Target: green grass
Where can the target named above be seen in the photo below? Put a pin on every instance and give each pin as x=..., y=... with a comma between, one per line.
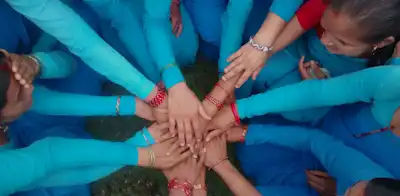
x=147, y=182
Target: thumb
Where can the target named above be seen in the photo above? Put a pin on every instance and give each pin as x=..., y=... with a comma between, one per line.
x=203, y=113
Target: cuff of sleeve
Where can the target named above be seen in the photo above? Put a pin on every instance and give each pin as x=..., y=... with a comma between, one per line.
x=285, y=9
x=240, y=109
x=148, y=135
x=172, y=76
x=394, y=61
x=139, y=140
x=127, y=105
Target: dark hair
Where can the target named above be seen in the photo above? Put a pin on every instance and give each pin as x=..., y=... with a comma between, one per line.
x=4, y=81
x=383, y=187
x=379, y=19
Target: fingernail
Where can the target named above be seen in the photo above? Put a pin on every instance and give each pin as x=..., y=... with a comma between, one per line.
x=207, y=139
x=223, y=78
x=204, y=149
x=198, y=140
x=182, y=144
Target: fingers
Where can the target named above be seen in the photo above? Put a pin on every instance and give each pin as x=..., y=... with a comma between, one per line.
x=173, y=148
x=183, y=156
x=243, y=78
x=237, y=68
x=303, y=70
x=214, y=133
x=231, y=58
x=256, y=73
x=315, y=181
x=197, y=133
x=202, y=158
x=164, y=137
x=320, y=174
x=179, y=31
x=172, y=126
x=188, y=132
x=319, y=188
x=181, y=132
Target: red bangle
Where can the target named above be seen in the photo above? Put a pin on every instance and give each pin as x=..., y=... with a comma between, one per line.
x=214, y=101
x=235, y=114
x=186, y=186
x=220, y=86
x=159, y=98
x=117, y=105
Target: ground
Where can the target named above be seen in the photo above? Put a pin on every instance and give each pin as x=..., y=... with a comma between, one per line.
x=147, y=182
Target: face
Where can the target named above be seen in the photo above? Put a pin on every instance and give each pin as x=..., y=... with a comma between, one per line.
x=357, y=189
x=19, y=100
x=342, y=36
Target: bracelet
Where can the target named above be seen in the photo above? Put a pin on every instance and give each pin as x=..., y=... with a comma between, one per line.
x=220, y=86
x=235, y=113
x=186, y=186
x=152, y=156
x=217, y=163
x=214, y=101
x=37, y=62
x=117, y=105
x=259, y=47
x=244, y=133
x=145, y=138
x=168, y=66
x=200, y=187
x=159, y=98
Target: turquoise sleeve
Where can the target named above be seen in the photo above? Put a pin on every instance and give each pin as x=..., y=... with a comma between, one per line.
x=337, y=158
x=363, y=86
x=157, y=27
x=393, y=61
x=44, y=43
x=63, y=23
x=233, y=23
x=286, y=9
x=50, y=102
x=22, y=167
x=55, y=64
x=283, y=191
x=88, y=174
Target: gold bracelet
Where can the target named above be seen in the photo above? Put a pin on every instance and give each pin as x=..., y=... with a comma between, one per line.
x=219, y=162
x=152, y=157
x=37, y=62
x=168, y=66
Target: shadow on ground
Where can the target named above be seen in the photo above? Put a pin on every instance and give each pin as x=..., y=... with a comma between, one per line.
x=146, y=182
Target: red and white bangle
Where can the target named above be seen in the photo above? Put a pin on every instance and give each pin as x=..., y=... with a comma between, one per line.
x=159, y=98
x=235, y=113
x=186, y=186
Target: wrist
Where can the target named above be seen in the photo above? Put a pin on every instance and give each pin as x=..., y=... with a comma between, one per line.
x=146, y=157
x=157, y=97
x=223, y=167
x=143, y=110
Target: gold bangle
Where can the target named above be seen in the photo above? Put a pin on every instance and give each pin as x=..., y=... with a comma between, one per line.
x=168, y=66
x=217, y=163
x=37, y=62
x=152, y=157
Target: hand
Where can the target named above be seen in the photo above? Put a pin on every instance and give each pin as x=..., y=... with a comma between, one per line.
x=183, y=108
x=310, y=70
x=396, y=52
x=322, y=183
x=163, y=161
x=230, y=99
x=160, y=132
x=223, y=120
x=25, y=69
x=215, y=151
x=161, y=115
x=246, y=61
x=176, y=19
x=233, y=134
x=189, y=170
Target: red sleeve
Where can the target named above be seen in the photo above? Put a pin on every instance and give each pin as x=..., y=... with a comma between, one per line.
x=310, y=13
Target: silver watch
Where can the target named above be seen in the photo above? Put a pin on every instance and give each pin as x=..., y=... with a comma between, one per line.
x=259, y=47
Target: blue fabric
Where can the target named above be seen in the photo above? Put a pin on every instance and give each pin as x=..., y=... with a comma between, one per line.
x=61, y=22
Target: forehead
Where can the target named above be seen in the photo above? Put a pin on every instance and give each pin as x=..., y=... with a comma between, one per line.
x=341, y=26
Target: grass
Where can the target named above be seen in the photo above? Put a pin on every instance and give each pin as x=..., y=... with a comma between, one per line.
x=147, y=182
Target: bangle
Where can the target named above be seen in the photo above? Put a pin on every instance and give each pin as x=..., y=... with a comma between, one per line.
x=214, y=101
x=186, y=186
x=152, y=156
x=200, y=187
x=259, y=47
x=37, y=62
x=220, y=86
x=117, y=105
x=244, y=133
x=235, y=114
x=145, y=138
x=159, y=98
x=217, y=163
x=168, y=66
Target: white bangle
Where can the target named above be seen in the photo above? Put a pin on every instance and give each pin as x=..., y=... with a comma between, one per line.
x=259, y=47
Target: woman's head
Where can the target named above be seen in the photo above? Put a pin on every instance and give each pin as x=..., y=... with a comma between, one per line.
x=375, y=187
x=360, y=28
x=14, y=98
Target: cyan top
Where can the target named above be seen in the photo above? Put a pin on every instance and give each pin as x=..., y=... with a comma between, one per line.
x=374, y=85
x=65, y=162
x=63, y=23
x=346, y=164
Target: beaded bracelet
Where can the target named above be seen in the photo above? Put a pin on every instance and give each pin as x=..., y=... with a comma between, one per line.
x=117, y=105
x=186, y=186
x=159, y=98
x=214, y=101
x=235, y=114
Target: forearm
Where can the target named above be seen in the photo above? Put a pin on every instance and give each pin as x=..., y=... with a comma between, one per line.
x=157, y=30
x=55, y=64
x=71, y=30
x=235, y=181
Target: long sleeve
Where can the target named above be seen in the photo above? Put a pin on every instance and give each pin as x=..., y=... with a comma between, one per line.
x=55, y=64
x=284, y=191
x=233, y=25
x=63, y=23
x=157, y=27
x=346, y=164
x=88, y=174
x=22, y=167
x=285, y=9
x=368, y=85
x=50, y=102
